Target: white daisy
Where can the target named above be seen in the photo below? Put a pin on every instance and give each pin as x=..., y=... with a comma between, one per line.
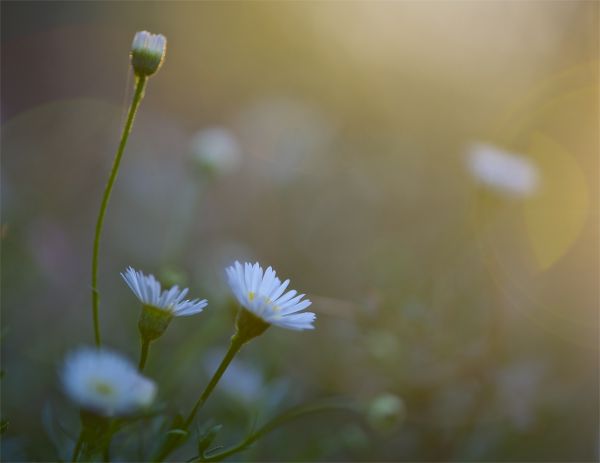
x=262, y=294
x=505, y=172
x=148, y=291
x=105, y=382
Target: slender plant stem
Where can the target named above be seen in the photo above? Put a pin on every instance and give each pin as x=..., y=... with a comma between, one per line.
x=173, y=441
x=282, y=419
x=234, y=347
x=137, y=98
x=144, y=354
x=106, y=449
x=77, y=448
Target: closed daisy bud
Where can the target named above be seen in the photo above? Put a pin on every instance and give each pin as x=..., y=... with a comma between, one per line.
x=159, y=307
x=264, y=301
x=105, y=383
x=147, y=52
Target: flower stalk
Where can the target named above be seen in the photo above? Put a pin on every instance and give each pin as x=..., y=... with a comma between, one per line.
x=143, y=354
x=234, y=346
x=77, y=448
x=137, y=98
x=248, y=326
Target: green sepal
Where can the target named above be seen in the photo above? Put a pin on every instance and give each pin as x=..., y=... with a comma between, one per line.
x=249, y=326
x=153, y=322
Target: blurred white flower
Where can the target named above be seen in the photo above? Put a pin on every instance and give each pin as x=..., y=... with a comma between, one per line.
x=105, y=382
x=263, y=295
x=148, y=291
x=147, y=52
x=284, y=137
x=507, y=173
x=216, y=150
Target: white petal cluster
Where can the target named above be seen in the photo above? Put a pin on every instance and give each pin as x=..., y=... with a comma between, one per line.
x=148, y=42
x=507, y=173
x=262, y=293
x=148, y=291
x=148, y=52
x=104, y=382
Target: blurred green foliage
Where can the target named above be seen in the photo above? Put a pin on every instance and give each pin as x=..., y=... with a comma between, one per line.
x=476, y=312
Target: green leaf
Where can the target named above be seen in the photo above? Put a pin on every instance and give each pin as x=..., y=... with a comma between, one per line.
x=177, y=432
x=207, y=438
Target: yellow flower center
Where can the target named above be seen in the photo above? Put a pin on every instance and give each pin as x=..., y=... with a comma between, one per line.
x=102, y=388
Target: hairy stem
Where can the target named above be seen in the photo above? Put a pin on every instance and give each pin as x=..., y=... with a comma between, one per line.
x=137, y=98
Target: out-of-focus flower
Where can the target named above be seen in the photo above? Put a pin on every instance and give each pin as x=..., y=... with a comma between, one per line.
x=507, y=173
x=104, y=382
x=517, y=389
x=147, y=289
x=262, y=294
x=159, y=307
x=381, y=344
x=284, y=138
x=147, y=52
x=385, y=412
x=216, y=150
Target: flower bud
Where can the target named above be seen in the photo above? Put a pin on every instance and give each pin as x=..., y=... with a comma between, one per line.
x=386, y=412
x=153, y=322
x=147, y=53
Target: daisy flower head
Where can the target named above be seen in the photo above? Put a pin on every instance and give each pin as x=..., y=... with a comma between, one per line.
x=264, y=295
x=106, y=383
x=159, y=307
x=148, y=290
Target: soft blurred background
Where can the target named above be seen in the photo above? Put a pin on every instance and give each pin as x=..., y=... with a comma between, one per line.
x=335, y=141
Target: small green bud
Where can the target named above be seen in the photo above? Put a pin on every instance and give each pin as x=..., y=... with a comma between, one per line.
x=153, y=322
x=386, y=412
x=249, y=325
x=147, y=53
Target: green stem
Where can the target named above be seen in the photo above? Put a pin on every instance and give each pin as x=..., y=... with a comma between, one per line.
x=174, y=441
x=282, y=419
x=77, y=448
x=106, y=449
x=144, y=354
x=137, y=98
x=234, y=347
